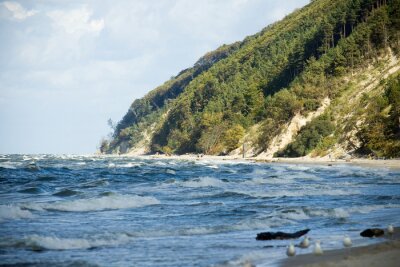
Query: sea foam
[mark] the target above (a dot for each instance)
(38, 242)
(9, 212)
(203, 182)
(96, 204)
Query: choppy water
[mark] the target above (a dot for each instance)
(117, 211)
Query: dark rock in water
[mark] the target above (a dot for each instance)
(280, 235)
(373, 232)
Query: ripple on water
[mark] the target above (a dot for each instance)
(31, 190)
(66, 193)
(143, 211)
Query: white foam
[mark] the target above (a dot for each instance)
(9, 212)
(334, 213)
(203, 182)
(212, 166)
(370, 208)
(248, 224)
(297, 168)
(261, 223)
(56, 243)
(96, 204)
(346, 212)
(169, 171)
(129, 165)
(8, 165)
(297, 193)
(296, 215)
(25, 158)
(269, 180)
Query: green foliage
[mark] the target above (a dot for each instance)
(309, 137)
(324, 145)
(104, 145)
(380, 133)
(287, 68)
(232, 137)
(146, 111)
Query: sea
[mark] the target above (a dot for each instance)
(72, 210)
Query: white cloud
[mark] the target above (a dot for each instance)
(77, 63)
(18, 11)
(76, 21)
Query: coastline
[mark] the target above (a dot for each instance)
(388, 163)
(386, 253)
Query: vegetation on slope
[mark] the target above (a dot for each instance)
(309, 137)
(287, 68)
(146, 111)
(380, 133)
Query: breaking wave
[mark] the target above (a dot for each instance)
(110, 202)
(39, 242)
(203, 182)
(9, 212)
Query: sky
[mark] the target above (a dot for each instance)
(67, 66)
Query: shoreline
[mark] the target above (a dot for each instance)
(388, 163)
(385, 253)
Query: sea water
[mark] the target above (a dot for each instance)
(119, 211)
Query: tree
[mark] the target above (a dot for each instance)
(232, 137)
(104, 146)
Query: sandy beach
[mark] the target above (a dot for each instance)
(382, 254)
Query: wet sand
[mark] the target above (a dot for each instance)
(385, 254)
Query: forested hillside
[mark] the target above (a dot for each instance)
(343, 51)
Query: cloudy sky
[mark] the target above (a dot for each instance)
(67, 66)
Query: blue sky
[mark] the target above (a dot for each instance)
(66, 67)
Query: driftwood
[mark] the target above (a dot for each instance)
(373, 232)
(280, 235)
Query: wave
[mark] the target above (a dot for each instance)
(46, 178)
(66, 193)
(297, 168)
(95, 183)
(128, 165)
(295, 214)
(160, 163)
(9, 212)
(170, 171)
(269, 180)
(296, 193)
(31, 190)
(229, 191)
(346, 212)
(8, 165)
(203, 182)
(245, 225)
(38, 242)
(110, 202)
(32, 167)
(370, 208)
(339, 213)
